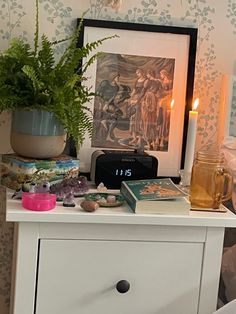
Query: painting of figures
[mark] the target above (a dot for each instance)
(133, 108)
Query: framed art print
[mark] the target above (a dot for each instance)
(144, 79)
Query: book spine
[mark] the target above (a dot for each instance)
(130, 191)
(128, 196)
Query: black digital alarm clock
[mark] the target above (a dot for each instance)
(114, 166)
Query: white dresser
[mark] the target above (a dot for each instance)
(115, 262)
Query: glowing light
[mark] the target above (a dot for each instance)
(195, 104)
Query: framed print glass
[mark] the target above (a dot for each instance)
(145, 80)
(227, 112)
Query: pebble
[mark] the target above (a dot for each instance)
(98, 197)
(89, 206)
(102, 200)
(111, 199)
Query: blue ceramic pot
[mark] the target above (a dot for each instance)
(37, 134)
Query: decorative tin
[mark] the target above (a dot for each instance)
(16, 170)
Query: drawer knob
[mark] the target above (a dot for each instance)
(122, 286)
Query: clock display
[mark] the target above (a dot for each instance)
(112, 167)
(123, 172)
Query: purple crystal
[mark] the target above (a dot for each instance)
(68, 200)
(77, 185)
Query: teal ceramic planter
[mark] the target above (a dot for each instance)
(37, 134)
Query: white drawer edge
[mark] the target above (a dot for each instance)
(122, 232)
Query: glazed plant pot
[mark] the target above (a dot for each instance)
(37, 134)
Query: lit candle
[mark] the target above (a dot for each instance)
(191, 138)
(170, 108)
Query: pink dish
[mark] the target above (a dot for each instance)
(38, 201)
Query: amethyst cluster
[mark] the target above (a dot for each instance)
(76, 186)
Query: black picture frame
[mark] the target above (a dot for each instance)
(160, 33)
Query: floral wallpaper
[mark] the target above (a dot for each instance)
(215, 20)
(6, 240)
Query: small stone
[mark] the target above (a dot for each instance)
(111, 199)
(101, 187)
(102, 200)
(68, 200)
(98, 197)
(89, 206)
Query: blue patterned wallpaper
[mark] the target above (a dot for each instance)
(216, 21)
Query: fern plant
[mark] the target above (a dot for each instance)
(30, 78)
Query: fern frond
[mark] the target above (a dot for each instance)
(46, 56)
(73, 81)
(73, 44)
(57, 42)
(91, 61)
(73, 61)
(19, 50)
(89, 47)
(30, 72)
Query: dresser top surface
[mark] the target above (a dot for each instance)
(116, 215)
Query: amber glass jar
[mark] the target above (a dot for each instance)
(211, 182)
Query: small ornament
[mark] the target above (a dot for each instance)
(17, 195)
(60, 196)
(101, 187)
(111, 199)
(102, 200)
(97, 197)
(54, 189)
(33, 188)
(78, 185)
(105, 199)
(43, 187)
(68, 200)
(89, 206)
(26, 187)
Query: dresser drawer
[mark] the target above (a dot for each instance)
(80, 277)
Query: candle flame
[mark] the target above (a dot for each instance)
(195, 104)
(172, 103)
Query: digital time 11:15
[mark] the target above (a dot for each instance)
(123, 172)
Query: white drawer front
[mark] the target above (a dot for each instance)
(80, 276)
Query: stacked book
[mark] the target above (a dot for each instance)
(155, 196)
